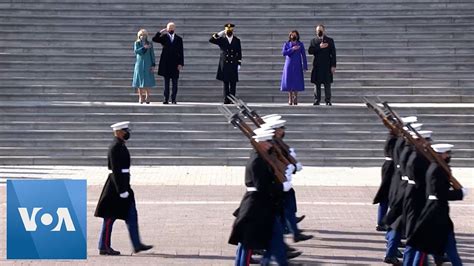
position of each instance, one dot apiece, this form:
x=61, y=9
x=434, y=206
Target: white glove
x=163, y=30
x=464, y=192
x=289, y=177
x=287, y=186
x=292, y=153
x=238, y=68
x=299, y=166
x=290, y=168
x=221, y=33
x=124, y=195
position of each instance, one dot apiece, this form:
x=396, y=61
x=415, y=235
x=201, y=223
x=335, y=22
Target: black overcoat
x=414, y=199
x=230, y=58
x=323, y=60
x=387, y=171
x=434, y=224
x=258, y=209
x=110, y=204
x=171, y=55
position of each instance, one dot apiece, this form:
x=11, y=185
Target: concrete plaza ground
x=186, y=212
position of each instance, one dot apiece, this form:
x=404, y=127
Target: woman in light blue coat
x=143, y=75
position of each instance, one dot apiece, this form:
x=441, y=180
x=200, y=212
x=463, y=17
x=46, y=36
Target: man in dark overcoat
x=324, y=64
x=230, y=59
x=171, y=60
x=117, y=200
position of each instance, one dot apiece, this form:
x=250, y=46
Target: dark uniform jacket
x=434, y=224
x=258, y=209
x=230, y=58
x=387, y=171
x=111, y=205
x=394, y=217
x=171, y=55
x=323, y=60
x=414, y=198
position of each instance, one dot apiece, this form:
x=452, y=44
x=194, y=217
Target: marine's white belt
x=432, y=197
x=405, y=178
x=250, y=189
x=388, y=159
x=411, y=182
x=125, y=171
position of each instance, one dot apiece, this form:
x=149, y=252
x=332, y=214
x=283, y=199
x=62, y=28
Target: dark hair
x=297, y=35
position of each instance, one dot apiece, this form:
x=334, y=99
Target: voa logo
x=46, y=219
x=62, y=214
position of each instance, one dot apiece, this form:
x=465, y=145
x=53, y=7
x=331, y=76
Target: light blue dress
x=143, y=77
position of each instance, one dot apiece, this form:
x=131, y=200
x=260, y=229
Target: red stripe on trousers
x=249, y=255
x=107, y=233
x=422, y=260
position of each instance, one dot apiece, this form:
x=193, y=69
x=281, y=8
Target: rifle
x=281, y=147
x=426, y=149
x=394, y=123
x=239, y=123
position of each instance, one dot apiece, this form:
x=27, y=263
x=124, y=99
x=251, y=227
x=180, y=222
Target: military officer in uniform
x=434, y=230
x=117, y=200
x=230, y=59
x=258, y=222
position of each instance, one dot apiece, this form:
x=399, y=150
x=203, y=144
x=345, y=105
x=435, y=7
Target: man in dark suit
x=117, y=200
x=324, y=64
x=230, y=59
x=171, y=59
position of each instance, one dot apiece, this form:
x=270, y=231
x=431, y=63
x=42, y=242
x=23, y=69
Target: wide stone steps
x=66, y=67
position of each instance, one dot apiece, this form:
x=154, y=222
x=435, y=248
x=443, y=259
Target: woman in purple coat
x=292, y=79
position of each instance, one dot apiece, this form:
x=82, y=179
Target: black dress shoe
x=291, y=255
x=109, y=252
x=254, y=261
x=381, y=228
x=291, y=249
x=147, y=102
x=143, y=247
x=301, y=218
x=316, y=103
x=329, y=103
x=174, y=102
x=258, y=252
x=391, y=260
x=399, y=254
x=302, y=237
x=165, y=102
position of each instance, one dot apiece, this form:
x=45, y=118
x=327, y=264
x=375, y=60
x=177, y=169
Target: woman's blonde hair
x=140, y=33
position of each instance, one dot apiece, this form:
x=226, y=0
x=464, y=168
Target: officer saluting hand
x=117, y=200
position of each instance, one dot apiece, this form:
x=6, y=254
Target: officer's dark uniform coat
x=230, y=58
x=434, y=224
x=111, y=205
x=387, y=171
x=323, y=60
x=171, y=55
x=258, y=209
x=415, y=194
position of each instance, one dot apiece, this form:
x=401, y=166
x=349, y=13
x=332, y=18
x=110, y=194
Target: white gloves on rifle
x=299, y=166
x=124, y=195
x=238, y=68
x=287, y=186
x=290, y=169
x=464, y=192
x=221, y=33
x=292, y=153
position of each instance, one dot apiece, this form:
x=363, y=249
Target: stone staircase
x=66, y=67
